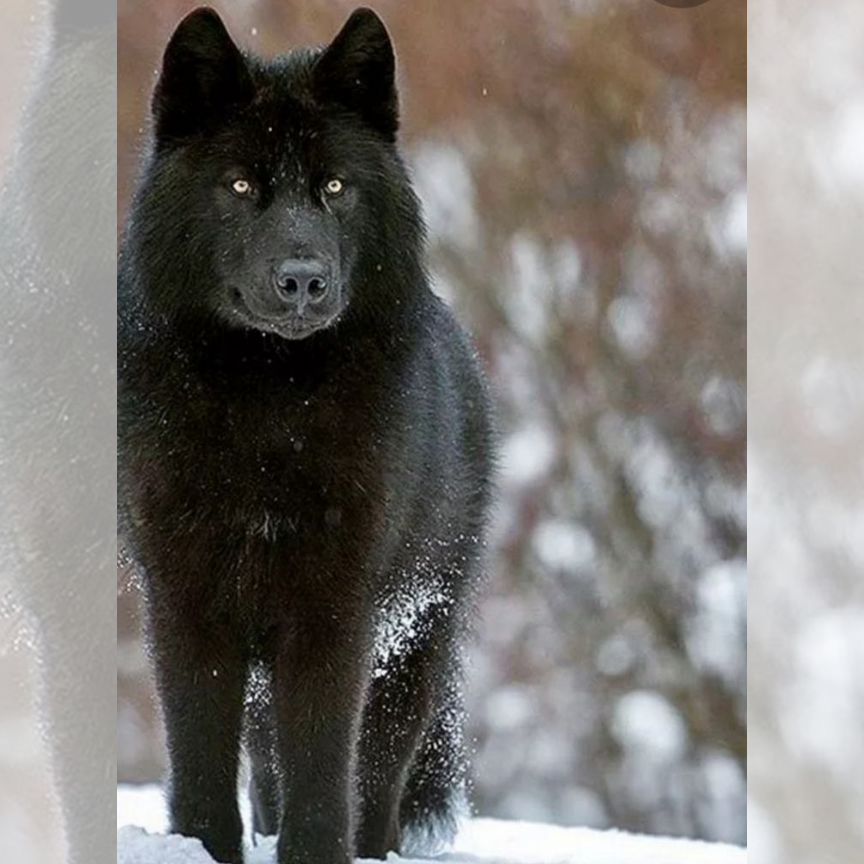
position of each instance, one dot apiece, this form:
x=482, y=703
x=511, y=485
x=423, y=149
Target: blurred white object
x=806, y=422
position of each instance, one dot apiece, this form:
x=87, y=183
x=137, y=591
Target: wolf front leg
x=320, y=681
x=411, y=773
x=201, y=676
x=398, y=710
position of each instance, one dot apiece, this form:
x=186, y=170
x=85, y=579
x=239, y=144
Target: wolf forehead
x=284, y=124
x=283, y=94
x=282, y=132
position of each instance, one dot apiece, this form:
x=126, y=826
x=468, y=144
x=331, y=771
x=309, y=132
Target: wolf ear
x=358, y=71
x=203, y=76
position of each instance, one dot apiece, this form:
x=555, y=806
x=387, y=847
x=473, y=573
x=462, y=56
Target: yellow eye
x=334, y=186
x=241, y=187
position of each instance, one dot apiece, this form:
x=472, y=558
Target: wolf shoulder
x=449, y=385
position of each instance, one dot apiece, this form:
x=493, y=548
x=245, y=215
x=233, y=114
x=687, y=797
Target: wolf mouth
x=291, y=327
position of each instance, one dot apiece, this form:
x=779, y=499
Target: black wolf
x=305, y=452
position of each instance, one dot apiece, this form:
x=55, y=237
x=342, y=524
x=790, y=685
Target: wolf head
x=276, y=199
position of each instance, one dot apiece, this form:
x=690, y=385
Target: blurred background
x=582, y=166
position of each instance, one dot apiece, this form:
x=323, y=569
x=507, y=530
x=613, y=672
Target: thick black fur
x=305, y=492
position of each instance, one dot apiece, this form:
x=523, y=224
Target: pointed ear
x=358, y=71
x=203, y=77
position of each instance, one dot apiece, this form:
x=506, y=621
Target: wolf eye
x=334, y=186
x=241, y=188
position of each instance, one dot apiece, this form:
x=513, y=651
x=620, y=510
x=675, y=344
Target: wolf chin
x=305, y=453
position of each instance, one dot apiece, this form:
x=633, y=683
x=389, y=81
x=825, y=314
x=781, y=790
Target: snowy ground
x=483, y=841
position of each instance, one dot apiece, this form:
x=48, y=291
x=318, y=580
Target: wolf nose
x=299, y=281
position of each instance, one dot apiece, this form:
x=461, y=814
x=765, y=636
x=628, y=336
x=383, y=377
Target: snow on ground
x=483, y=841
